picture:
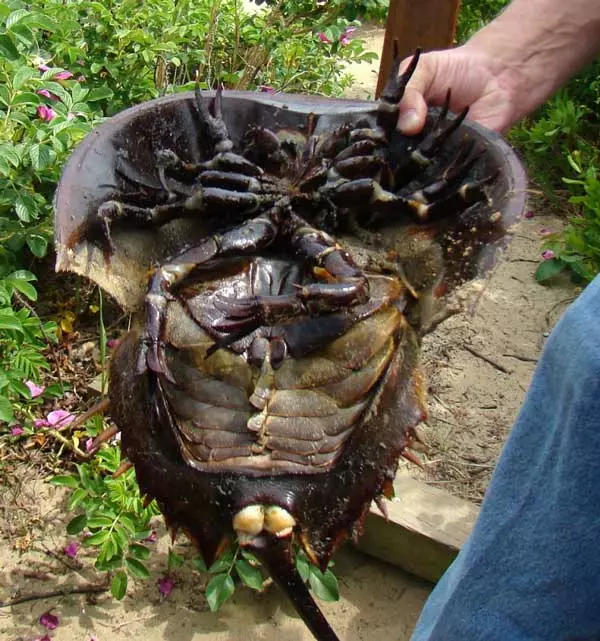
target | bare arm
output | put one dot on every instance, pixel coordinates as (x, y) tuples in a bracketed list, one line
[(511, 66)]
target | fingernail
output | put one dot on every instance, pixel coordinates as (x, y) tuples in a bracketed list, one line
[(408, 121)]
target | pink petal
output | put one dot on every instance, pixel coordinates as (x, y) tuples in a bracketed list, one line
[(71, 549), (112, 343), (80, 78), (151, 538), (344, 41), (48, 94), (40, 422), (60, 418), (43, 68), (34, 389), (166, 585), (528, 214), (45, 113), (266, 88), (89, 444), (17, 430), (350, 30), (323, 38), (63, 75), (49, 621), (547, 254)]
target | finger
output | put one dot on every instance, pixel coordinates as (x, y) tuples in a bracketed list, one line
[(413, 112)]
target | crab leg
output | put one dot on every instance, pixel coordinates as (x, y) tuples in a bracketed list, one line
[(244, 239), (348, 285), (387, 111)]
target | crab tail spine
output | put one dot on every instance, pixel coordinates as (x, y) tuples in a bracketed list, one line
[(275, 554)]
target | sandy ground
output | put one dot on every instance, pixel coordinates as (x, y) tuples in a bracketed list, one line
[(478, 367)]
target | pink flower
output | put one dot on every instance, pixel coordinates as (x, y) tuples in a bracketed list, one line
[(166, 585), (151, 538), (48, 94), (112, 343), (63, 75), (43, 68), (528, 214), (267, 89), (323, 38), (80, 78), (40, 422), (35, 390), (49, 621), (89, 444), (71, 549), (16, 430), (46, 113), (345, 36), (59, 418), (545, 231), (547, 254)]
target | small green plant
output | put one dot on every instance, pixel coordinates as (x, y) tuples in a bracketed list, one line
[(113, 514), (577, 248)]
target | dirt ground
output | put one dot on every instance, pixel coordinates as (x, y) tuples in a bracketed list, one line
[(478, 366)]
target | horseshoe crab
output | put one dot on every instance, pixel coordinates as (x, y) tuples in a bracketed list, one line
[(270, 386)]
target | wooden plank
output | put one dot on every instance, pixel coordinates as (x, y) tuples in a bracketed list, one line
[(426, 528), (429, 24)]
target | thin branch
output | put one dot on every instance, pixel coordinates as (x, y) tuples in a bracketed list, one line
[(38, 596), (487, 359)]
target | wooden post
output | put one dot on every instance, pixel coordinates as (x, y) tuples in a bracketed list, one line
[(429, 24)]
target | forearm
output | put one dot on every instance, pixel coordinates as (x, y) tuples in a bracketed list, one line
[(537, 45)]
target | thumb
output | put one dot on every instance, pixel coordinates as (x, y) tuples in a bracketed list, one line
[(413, 112), (413, 107)]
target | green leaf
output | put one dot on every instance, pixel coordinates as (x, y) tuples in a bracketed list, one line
[(119, 585), (9, 320), (67, 480), (139, 551), (219, 589), (22, 75), (79, 494), (199, 564), (41, 156), (324, 584), (41, 21), (6, 151), (137, 568), (4, 92), (37, 244), (175, 560), (6, 411), (27, 289), (99, 520), (97, 539), (223, 563), (250, 575), (99, 93), (25, 98), (77, 524), (15, 17), (548, 269), (303, 566)]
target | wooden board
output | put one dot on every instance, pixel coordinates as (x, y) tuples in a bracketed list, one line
[(426, 528), (429, 24)]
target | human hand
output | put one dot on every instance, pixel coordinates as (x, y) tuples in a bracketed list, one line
[(475, 79)]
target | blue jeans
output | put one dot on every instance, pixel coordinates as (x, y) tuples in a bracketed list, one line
[(531, 568)]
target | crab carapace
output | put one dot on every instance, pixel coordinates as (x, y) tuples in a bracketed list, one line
[(271, 382)]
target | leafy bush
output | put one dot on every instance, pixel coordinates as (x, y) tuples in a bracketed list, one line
[(556, 142)]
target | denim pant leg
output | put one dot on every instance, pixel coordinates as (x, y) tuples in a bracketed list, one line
[(531, 567)]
